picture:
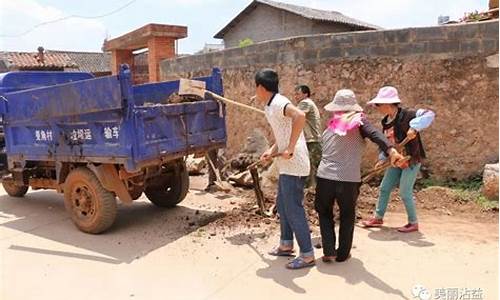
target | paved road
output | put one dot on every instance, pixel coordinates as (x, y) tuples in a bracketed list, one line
[(155, 254)]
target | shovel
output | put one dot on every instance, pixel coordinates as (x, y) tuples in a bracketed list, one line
[(259, 162), (223, 185), (197, 88), (258, 193), (376, 170), (258, 190)]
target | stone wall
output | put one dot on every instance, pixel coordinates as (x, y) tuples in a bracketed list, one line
[(452, 70)]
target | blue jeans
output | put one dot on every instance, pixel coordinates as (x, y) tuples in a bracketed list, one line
[(292, 213), (405, 178)]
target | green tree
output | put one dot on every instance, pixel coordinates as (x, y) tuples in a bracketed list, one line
[(245, 42)]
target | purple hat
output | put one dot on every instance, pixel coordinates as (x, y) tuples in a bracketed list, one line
[(386, 95)]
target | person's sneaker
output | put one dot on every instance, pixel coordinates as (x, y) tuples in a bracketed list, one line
[(373, 222), (408, 228)]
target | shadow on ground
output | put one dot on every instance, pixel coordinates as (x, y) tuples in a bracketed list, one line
[(139, 228), (355, 273), (388, 234), (275, 269), (351, 270)]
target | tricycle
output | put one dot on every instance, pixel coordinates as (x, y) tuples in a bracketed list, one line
[(98, 139)]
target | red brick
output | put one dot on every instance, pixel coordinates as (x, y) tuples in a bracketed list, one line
[(160, 48), (119, 57)]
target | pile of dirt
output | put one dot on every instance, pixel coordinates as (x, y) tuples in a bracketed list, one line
[(247, 213), (255, 144), (250, 214), (443, 200), (435, 200), (432, 200)]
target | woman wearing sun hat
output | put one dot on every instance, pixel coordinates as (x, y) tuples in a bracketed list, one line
[(339, 172), (398, 124)]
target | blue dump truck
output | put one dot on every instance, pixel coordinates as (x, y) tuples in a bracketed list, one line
[(98, 139)]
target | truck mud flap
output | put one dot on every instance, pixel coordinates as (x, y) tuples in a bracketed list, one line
[(109, 178)]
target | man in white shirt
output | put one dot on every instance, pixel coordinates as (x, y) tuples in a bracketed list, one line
[(287, 123)]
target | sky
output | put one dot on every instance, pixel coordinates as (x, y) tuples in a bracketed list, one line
[(204, 18)]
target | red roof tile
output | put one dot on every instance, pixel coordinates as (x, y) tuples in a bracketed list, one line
[(22, 60)]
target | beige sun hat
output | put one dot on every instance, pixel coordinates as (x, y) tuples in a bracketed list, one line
[(344, 100)]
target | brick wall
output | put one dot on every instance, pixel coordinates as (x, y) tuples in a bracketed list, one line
[(119, 57), (159, 48), (141, 68), (450, 69)]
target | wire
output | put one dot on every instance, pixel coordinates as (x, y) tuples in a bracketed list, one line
[(66, 18)]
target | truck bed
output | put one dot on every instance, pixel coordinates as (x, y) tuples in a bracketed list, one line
[(108, 120)]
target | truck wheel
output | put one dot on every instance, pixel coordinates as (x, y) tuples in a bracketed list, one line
[(14, 190), (91, 207), (171, 189)]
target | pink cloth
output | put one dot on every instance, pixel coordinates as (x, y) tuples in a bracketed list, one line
[(342, 122)]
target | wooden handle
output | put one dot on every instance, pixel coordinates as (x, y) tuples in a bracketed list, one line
[(386, 164), (234, 102), (379, 169), (255, 164), (216, 171), (258, 191)]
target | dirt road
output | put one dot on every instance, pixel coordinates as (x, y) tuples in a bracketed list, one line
[(183, 254)]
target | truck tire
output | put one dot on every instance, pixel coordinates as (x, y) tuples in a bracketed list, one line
[(171, 189), (14, 190), (91, 207)]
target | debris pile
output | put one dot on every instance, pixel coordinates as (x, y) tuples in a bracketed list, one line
[(196, 166), (432, 200), (254, 146)]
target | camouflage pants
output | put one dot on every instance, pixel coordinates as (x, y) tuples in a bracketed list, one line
[(314, 158)]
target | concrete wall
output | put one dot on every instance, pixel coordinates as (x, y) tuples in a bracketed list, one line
[(452, 70), (268, 23)]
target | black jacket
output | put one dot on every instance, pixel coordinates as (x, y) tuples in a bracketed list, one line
[(401, 124)]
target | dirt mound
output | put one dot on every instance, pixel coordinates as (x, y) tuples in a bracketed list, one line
[(432, 196), (454, 202), (431, 200)]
